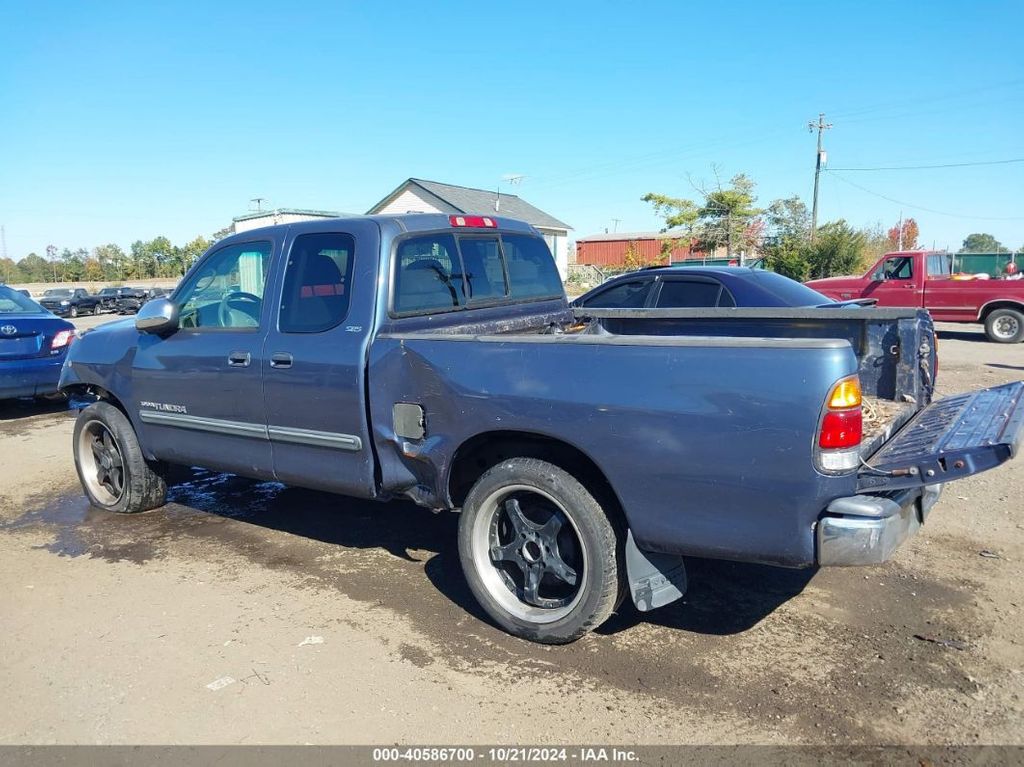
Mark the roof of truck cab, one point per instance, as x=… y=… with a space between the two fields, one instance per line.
x=406 y=222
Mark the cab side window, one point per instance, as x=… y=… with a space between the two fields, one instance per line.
x=226 y=292
x=317 y=283
x=900 y=268
x=938 y=266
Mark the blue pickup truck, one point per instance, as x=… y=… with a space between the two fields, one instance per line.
x=435 y=358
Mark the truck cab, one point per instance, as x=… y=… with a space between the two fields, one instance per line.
x=925 y=279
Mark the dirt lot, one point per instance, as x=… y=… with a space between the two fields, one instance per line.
x=249 y=613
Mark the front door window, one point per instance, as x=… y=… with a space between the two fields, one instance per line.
x=226 y=292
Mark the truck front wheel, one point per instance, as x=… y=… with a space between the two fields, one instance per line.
x=1005 y=326
x=110 y=464
x=539 y=553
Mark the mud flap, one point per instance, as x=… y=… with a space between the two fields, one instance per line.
x=655 y=580
x=950 y=439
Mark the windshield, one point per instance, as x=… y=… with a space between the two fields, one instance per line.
x=13 y=302
x=791 y=292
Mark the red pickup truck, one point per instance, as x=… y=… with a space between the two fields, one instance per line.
x=924 y=280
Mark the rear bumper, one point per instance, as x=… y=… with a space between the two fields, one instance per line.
x=867 y=529
x=30 y=378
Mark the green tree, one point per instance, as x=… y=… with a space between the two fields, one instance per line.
x=876 y=242
x=140 y=261
x=192 y=251
x=726 y=216
x=678 y=213
x=162 y=256
x=729 y=217
x=10 y=272
x=982 y=243
x=111 y=260
x=73 y=264
x=838 y=249
x=787 y=232
x=35 y=268
x=93 y=270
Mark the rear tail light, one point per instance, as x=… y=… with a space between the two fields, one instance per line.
x=842 y=428
x=62 y=339
x=484 y=222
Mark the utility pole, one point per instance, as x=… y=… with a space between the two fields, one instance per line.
x=822 y=126
x=616 y=222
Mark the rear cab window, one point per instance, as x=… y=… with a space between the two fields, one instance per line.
x=940 y=265
x=444 y=272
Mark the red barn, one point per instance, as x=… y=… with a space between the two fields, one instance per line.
x=612 y=249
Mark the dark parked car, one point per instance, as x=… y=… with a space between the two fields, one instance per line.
x=111 y=297
x=134 y=298
x=33 y=345
x=694 y=287
x=70 y=302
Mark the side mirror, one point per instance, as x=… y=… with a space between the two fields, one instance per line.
x=157 y=317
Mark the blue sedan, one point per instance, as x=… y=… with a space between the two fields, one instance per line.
x=694 y=287
x=33 y=345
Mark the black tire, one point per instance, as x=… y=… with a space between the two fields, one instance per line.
x=73 y=311
x=572 y=606
x=1005 y=326
x=131 y=487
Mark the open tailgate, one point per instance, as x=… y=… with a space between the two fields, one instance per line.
x=952 y=438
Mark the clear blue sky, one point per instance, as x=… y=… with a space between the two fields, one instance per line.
x=121 y=121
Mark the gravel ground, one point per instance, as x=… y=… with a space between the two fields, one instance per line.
x=245 y=612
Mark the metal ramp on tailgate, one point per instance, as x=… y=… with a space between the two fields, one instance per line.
x=955 y=437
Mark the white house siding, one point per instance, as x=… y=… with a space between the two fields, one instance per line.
x=558 y=243
x=416 y=201
x=272 y=219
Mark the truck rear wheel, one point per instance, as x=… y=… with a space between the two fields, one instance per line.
x=1005 y=326
x=110 y=464
x=539 y=552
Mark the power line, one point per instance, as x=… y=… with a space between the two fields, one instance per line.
x=929 y=167
x=921 y=207
x=931 y=99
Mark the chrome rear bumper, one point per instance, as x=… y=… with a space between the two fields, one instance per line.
x=867 y=529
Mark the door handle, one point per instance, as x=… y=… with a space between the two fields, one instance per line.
x=910 y=287
x=239 y=359
x=280 y=360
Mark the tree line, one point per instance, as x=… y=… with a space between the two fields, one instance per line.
x=158 y=257
x=728 y=216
